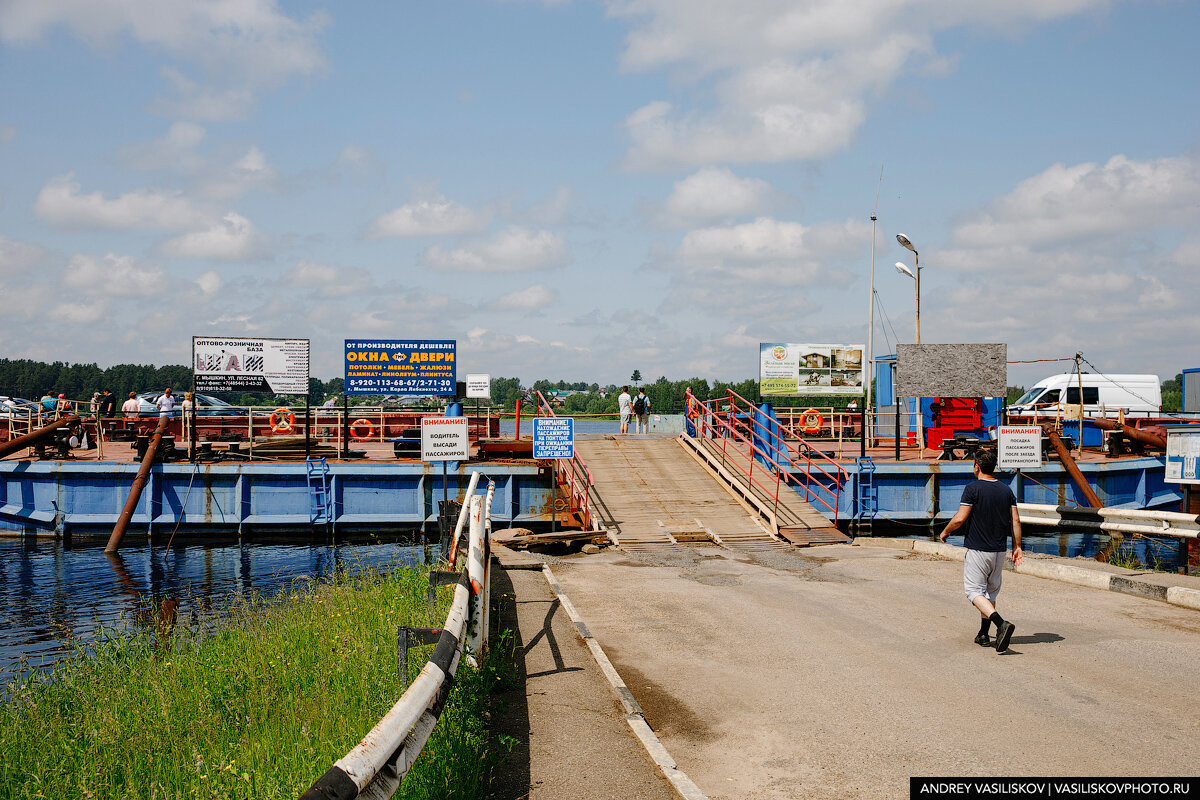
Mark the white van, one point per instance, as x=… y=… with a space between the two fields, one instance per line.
x=1139 y=395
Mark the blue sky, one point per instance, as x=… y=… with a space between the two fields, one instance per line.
x=578 y=189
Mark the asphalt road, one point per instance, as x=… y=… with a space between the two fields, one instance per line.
x=839 y=672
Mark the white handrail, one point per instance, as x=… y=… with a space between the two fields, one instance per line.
x=375 y=766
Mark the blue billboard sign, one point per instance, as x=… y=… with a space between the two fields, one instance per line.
x=400 y=366
x=553 y=437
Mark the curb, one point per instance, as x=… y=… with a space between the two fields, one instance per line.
x=1180 y=596
x=634 y=716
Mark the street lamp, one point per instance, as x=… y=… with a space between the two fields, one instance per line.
x=916 y=276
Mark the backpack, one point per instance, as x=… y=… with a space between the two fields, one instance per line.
x=639 y=405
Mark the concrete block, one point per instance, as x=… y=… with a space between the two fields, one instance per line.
x=1063 y=572
x=892 y=544
x=1180 y=596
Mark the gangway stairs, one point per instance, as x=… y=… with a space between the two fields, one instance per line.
x=321 y=506
x=866 y=504
x=653 y=498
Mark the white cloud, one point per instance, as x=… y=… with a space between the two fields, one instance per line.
x=1087 y=200
x=61 y=203
x=233 y=238
x=553 y=210
x=209 y=283
x=713 y=194
x=176 y=150
x=82 y=313
x=17 y=257
x=242 y=46
x=435 y=216
x=331 y=280
x=529 y=299
x=514 y=249
x=113 y=275
x=789 y=80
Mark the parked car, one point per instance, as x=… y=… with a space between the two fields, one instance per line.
x=206 y=406
x=17 y=407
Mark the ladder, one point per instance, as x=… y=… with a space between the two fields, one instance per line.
x=321 y=507
x=866 y=495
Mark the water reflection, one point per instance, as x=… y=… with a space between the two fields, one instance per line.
x=51 y=594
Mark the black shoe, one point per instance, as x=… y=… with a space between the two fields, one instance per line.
x=983 y=640
x=1003 y=634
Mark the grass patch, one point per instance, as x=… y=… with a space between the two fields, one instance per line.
x=258 y=706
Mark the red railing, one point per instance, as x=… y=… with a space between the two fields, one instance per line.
x=573 y=474
x=734 y=418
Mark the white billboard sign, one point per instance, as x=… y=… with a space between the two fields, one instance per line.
x=444 y=439
x=1019 y=447
x=237 y=364
x=479 y=386
x=791 y=370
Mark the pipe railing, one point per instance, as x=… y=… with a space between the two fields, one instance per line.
x=714 y=424
x=1112 y=520
x=375 y=766
x=802 y=449
x=574 y=474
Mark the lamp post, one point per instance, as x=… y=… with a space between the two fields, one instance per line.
x=903 y=268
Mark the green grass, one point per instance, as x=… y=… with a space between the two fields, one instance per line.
x=258 y=706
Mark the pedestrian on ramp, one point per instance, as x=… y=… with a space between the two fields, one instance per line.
x=989 y=510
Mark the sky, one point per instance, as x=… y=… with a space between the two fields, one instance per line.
x=575 y=190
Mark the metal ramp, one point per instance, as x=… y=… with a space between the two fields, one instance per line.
x=321 y=506
x=795 y=520
x=653 y=498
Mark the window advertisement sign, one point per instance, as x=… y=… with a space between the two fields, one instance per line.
x=1019 y=447
x=236 y=364
x=553 y=437
x=400 y=366
x=790 y=370
x=1183 y=455
x=479 y=387
x=444 y=439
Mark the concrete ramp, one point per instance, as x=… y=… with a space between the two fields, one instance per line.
x=651 y=495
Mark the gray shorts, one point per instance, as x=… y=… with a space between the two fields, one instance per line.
x=624 y=419
x=982 y=572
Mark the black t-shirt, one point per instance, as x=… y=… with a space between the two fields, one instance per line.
x=990 y=523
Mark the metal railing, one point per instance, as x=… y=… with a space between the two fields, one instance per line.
x=375 y=766
x=1112 y=520
x=735 y=419
x=573 y=474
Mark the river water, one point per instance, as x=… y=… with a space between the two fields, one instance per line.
x=51 y=593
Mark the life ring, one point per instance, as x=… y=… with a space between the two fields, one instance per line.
x=282 y=420
x=811 y=421
x=358 y=423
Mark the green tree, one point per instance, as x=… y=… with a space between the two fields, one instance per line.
x=1172 y=393
x=636 y=377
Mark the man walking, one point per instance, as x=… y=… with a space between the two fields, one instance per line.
x=989 y=510
x=625 y=406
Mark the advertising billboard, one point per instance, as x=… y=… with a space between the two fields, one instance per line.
x=791 y=370
x=238 y=364
x=400 y=366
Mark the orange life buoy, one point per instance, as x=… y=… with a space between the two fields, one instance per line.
x=811 y=421
x=282 y=420
x=358 y=423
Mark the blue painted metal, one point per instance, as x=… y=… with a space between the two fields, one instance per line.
x=321 y=508
x=767 y=435
x=56 y=497
x=930 y=492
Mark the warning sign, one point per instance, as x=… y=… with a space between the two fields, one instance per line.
x=1020 y=447
x=444 y=439
x=553 y=437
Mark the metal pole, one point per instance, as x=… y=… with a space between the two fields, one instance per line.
x=307 y=426
x=870 y=328
x=1079 y=374
x=917 y=261
x=345 y=437
x=553 y=498
x=135 y=491
x=896 y=405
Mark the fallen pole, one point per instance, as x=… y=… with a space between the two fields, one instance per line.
x=1072 y=468
x=135 y=491
x=1137 y=434
x=34 y=437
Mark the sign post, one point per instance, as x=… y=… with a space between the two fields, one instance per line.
x=479 y=387
x=1019 y=447
x=445 y=439
x=553 y=438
